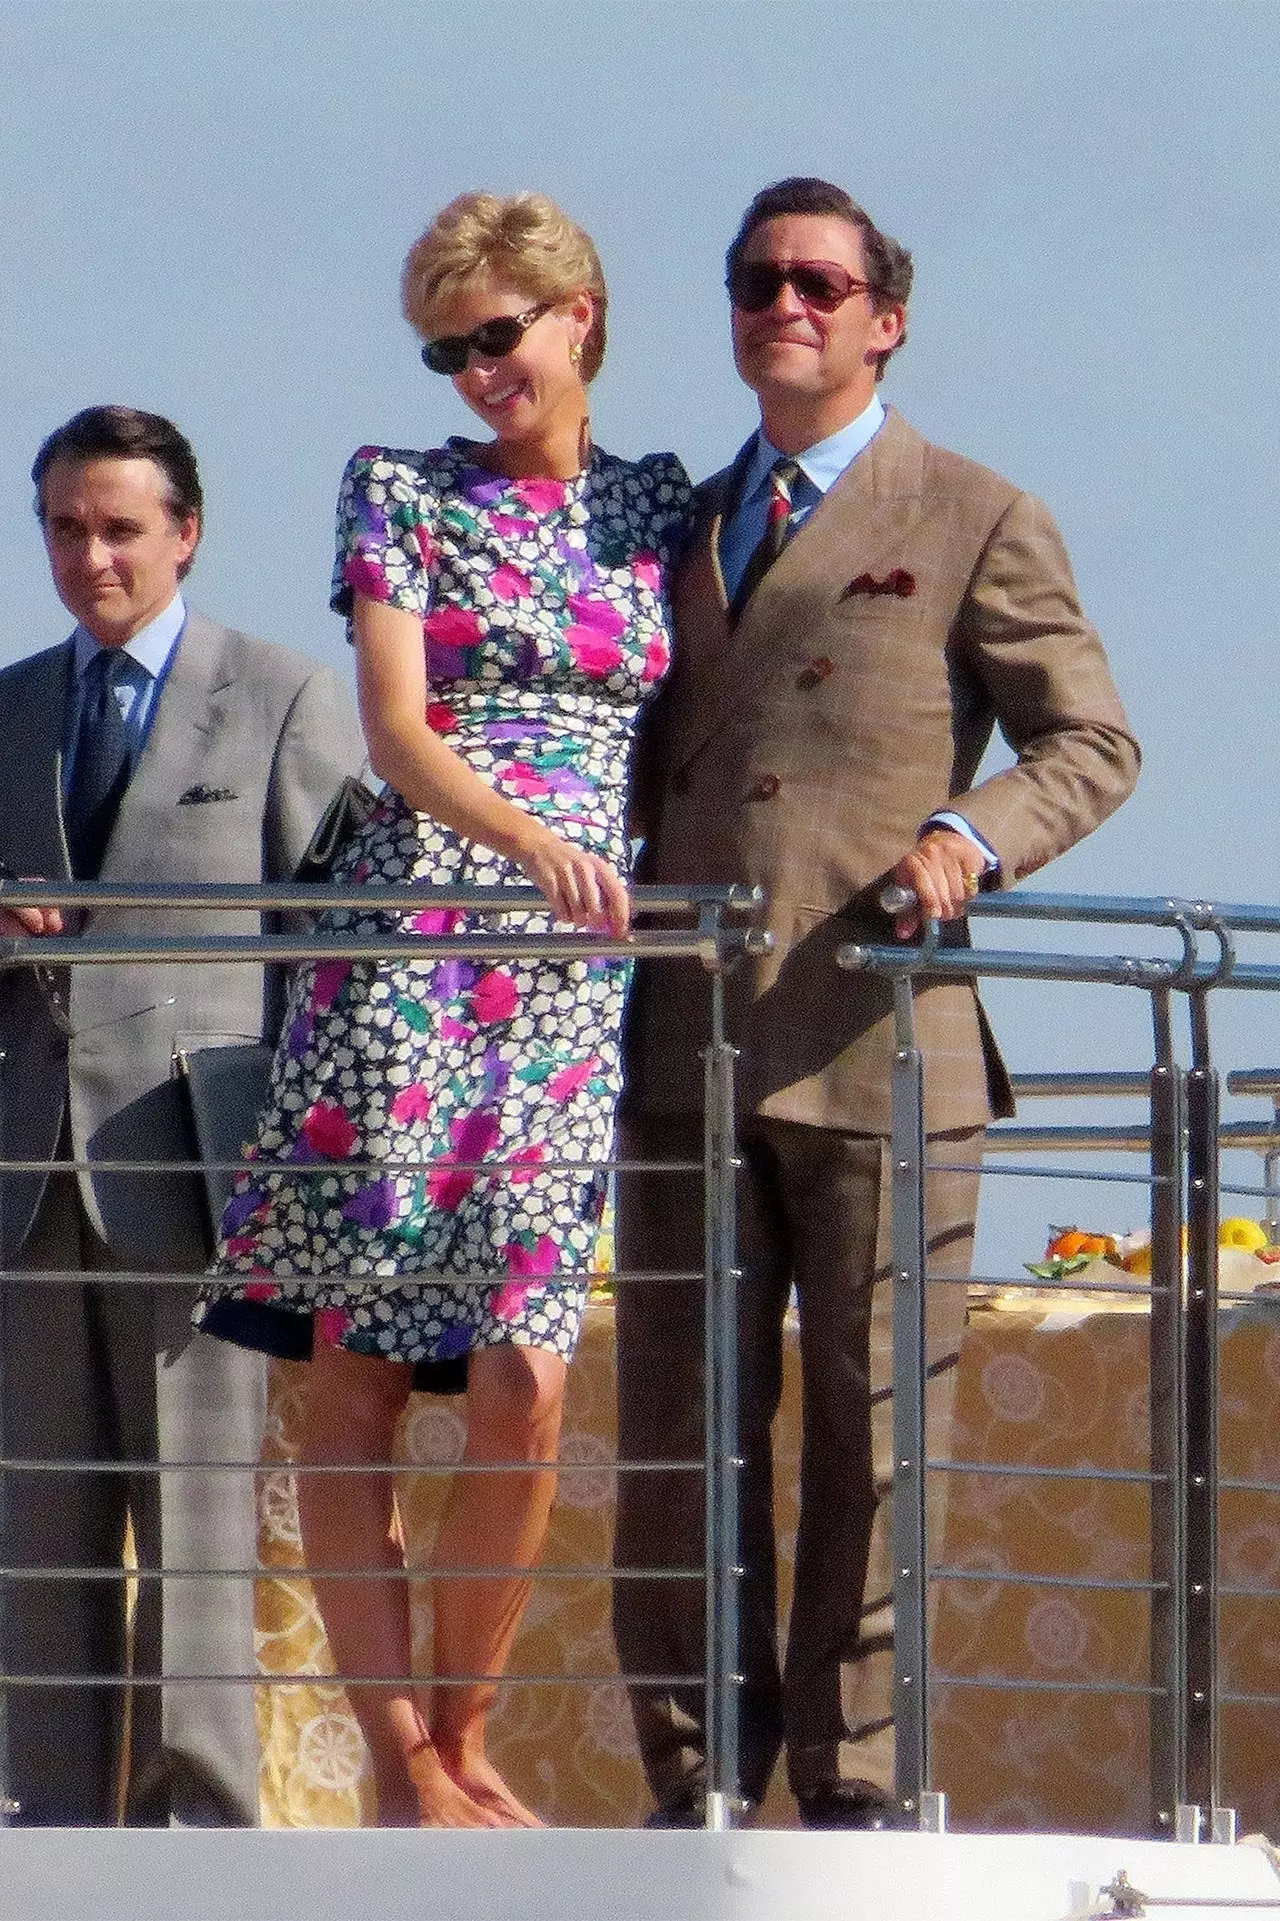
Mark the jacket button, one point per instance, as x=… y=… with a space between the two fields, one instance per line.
x=765 y=788
x=679 y=782
x=815 y=672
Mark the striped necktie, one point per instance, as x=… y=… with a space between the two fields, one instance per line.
x=106 y=748
x=782 y=478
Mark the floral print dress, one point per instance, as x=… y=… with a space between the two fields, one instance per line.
x=545 y=623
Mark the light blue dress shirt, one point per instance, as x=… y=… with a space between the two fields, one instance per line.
x=152 y=648
x=820 y=467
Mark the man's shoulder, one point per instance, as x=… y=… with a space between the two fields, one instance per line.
x=34 y=666
x=942 y=470
x=242 y=653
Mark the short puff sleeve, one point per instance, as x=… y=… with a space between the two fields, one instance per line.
x=385 y=548
x=670 y=495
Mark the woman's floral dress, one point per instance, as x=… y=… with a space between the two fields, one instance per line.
x=545 y=623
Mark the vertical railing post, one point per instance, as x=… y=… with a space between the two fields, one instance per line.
x=910 y=1360
x=720 y=1407
x=1201 y=1401
x=1167 y=1430
x=8 y=1805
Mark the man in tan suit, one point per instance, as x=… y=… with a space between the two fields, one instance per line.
x=857 y=611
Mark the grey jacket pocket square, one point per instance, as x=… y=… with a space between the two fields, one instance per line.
x=196 y=796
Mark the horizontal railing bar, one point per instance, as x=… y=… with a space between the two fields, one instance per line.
x=318 y=1677
x=1002 y=1684
x=1043 y=1137
x=1102 y=1081
x=76 y=1277
x=1021 y=1470
x=27 y=1464
x=1029 y=1284
x=1263 y=1193
x=1006 y=1577
x=1075 y=1173
x=1120 y=909
x=1036 y=1284
x=302 y=896
x=1230 y=1486
x=1121 y=970
x=1253 y=1080
x=527 y=1170
x=1015 y=904
x=206 y=950
x=430 y=1572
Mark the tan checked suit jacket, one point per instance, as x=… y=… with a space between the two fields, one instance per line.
x=804 y=749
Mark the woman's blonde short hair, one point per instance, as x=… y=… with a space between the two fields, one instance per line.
x=523 y=240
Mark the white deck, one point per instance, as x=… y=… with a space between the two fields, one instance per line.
x=605 y=1875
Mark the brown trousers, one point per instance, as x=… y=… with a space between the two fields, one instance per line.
x=813 y=1214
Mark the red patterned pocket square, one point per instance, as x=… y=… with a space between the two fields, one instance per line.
x=900 y=584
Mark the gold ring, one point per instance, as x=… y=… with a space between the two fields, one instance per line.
x=970 y=885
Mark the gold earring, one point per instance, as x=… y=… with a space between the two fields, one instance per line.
x=575 y=353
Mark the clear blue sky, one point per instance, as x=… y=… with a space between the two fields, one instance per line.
x=207 y=206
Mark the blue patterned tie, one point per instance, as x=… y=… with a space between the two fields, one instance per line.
x=106 y=748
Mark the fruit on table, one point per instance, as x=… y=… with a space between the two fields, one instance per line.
x=1067 y=1242
x=1239 y=1232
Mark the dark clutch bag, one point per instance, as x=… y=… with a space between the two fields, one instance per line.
x=341 y=820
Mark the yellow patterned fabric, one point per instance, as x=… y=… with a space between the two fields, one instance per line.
x=1051 y=1383
x=1057 y=1386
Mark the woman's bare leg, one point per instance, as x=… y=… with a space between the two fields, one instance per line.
x=353 y=1404
x=515 y=1399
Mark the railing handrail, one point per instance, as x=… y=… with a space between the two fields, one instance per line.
x=708 y=937
x=279 y=896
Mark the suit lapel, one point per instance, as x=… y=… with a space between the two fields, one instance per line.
x=184 y=719
x=34 y=780
x=860 y=526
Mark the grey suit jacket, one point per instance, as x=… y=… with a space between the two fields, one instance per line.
x=924 y=602
x=247 y=745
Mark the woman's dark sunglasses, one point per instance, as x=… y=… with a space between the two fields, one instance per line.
x=755 y=284
x=492 y=340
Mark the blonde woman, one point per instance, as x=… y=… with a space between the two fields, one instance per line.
x=506 y=601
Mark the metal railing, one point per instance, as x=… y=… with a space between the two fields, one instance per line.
x=1183 y=1139
x=711 y=925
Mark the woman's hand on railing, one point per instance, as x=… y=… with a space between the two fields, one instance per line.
x=582 y=888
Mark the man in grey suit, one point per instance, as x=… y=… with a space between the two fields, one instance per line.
x=152 y=745
x=856 y=612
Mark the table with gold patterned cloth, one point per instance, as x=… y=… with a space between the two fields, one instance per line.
x=1054 y=1383
x=1048 y=1383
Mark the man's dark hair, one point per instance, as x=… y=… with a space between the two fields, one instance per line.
x=889 y=269
x=126 y=433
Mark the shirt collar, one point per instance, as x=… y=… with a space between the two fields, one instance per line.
x=824 y=462
x=151 y=646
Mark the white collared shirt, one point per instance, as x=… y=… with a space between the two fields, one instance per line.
x=820 y=467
